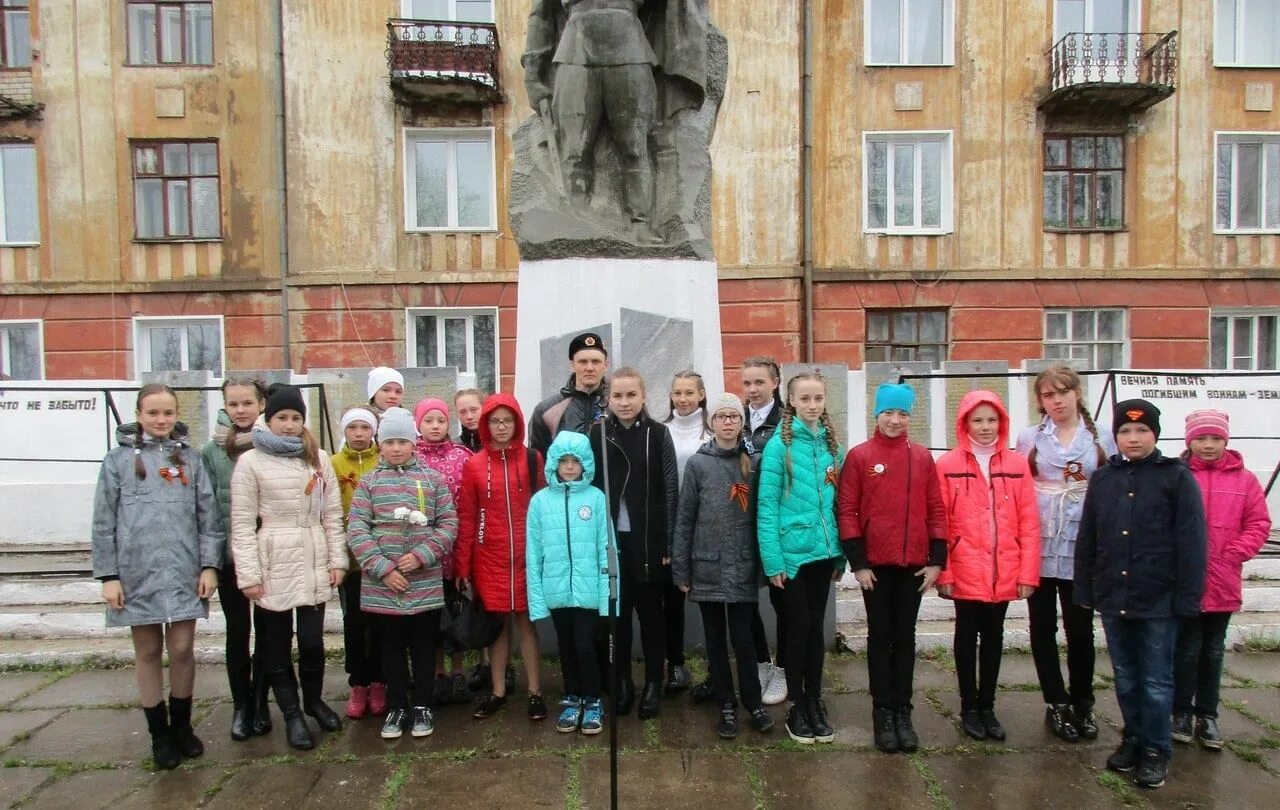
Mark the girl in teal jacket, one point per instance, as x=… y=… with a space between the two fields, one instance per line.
x=566 y=555
x=799 y=544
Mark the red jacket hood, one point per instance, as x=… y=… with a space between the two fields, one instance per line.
x=968 y=404
x=490 y=405
x=1230 y=462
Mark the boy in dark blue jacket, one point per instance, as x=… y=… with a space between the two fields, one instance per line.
x=1140 y=563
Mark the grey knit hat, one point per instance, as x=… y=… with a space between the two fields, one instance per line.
x=397 y=423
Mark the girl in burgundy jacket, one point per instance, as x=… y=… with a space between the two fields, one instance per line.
x=893 y=528
x=1235 y=511
x=993 y=551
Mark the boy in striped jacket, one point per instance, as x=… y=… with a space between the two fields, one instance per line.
x=401 y=526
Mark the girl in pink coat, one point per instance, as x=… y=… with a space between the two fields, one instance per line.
x=1235 y=511
x=993 y=553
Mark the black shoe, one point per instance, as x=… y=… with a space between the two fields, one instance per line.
x=972 y=725
x=295 y=725
x=1086 y=725
x=1207 y=733
x=1125 y=757
x=992 y=725
x=479 y=677
x=822 y=731
x=488 y=706
x=241 y=722
x=459 y=693
x=727 y=728
x=886 y=734
x=1059 y=720
x=650 y=701
x=799 y=726
x=164 y=751
x=537 y=709
x=760 y=719
x=184 y=737
x=260 y=709
x=908 y=741
x=702 y=693
x=626 y=698
x=1181 y=729
x=314 y=705
x=677 y=679
x=1152 y=769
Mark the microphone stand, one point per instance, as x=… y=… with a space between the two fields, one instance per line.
x=616 y=671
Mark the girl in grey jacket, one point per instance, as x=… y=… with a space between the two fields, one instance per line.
x=716 y=560
x=157 y=545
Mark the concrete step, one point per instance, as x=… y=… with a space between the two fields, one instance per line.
x=87 y=621
x=113 y=650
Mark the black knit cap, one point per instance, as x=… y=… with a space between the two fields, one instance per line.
x=1135 y=410
x=587 y=340
x=281 y=397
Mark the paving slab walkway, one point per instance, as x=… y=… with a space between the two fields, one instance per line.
x=71 y=738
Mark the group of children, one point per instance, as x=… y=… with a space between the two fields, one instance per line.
x=710 y=505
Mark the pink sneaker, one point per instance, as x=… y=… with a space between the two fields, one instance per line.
x=358 y=702
x=378 y=698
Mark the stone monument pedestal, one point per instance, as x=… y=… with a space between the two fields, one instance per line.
x=658 y=315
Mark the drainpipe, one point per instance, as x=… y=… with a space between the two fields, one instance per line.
x=806 y=174
x=282 y=187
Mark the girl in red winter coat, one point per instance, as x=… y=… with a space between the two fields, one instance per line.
x=993 y=551
x=1235 y=511
x=493 y=500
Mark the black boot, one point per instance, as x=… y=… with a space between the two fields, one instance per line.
x=907 y=739
x=259 y=711
x=241 y=721
x=180 y=727
x=886 y=734
x=163 y=749
x=295 y=725
x=822 y=731
x=650 y=701
x=677 y=679
x=626 y=698
x=241 y=682
x=313 y=703
x=971 y=724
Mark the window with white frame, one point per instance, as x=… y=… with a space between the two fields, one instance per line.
x=19 y=209
x=15 y=33
x=1244 y=340
x=466 y=339
x=178 y=344
x=1246 y=33
x=449 y=179
x=21 y=350
x=907 y=182
x=170 y=32
x=1247 y=182
x=1096 y=336
x=453 y=10
x=909 y=32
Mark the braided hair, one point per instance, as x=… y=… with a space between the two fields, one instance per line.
x=175 y=454
x=786 y=428
x=259 y=391
x=1064 y=379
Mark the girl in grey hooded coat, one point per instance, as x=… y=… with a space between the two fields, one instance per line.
x=158 y=542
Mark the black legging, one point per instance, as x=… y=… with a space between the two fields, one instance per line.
x=736 y=618
x=235 y=608
x=673 y=624
x=779 y=603
x=275 y=638
x=414 y=636
x=977 y=645
x=1077 y=622
x=361 y=636
x=892 y=607
x=575 y=636
x=806 y=599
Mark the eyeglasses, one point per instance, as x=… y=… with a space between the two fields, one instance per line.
x=727 y=418
x=501 y=423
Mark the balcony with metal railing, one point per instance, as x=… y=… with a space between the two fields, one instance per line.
x=1110 y=72
x=435 y=61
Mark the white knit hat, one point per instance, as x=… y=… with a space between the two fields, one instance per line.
x=724 y=402
x=380 y=376
x=357 y=415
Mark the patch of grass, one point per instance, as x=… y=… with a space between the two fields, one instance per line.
x=1246 y=752
x=941 y=656
x=939 y=705
x=394 y=784
x=1260 y=644
x=573 y=781
x=1121 y=788
x=652 y=734
x=755 y=781
x=1252 y=715
x=221 y=782
x=931 y=781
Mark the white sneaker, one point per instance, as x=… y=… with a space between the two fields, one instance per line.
x=773 y=684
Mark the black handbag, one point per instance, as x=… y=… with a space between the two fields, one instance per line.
x=467 y=624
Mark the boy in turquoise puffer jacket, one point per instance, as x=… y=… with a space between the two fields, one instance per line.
x=566 y=551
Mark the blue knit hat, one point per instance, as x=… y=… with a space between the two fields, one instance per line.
x=894 y=397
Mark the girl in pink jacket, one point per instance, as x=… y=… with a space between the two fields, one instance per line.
x=993 y=552
x=1235 y=511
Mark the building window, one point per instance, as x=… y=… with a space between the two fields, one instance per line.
x=21 y=350
x=907 y=182
x=906 y=334
x=1246 y=33
x=1083 y=182
x=453 y=10
x=175 y=190
x=449 y=180
x=1247 y=183
x=172 y=32
x=1093 y=335
x=178 y=344
x=19 y=209
x=466 y=339
x=1247 y=341
x=15 y=33
x=909 y=32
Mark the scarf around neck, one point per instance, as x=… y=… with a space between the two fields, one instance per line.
x=285 y=446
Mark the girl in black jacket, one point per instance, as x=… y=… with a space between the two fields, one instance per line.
x=642 y=489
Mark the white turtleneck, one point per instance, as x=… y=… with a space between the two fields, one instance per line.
x=983 y=454
x=688 y=433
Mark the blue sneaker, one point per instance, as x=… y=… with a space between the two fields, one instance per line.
x=571 y=715
x=593 y=716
